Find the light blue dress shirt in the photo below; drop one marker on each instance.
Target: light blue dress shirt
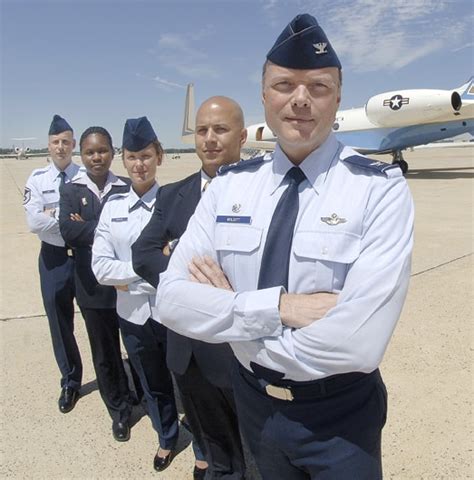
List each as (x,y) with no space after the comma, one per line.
(42,194)
(363,254)
(121,222)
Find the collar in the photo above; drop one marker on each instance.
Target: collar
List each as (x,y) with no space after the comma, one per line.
(112,180)
(315,166)
(148,199)
(205,178)
(71,170)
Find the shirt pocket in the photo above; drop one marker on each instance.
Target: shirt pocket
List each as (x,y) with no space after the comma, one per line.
(324,258)
(237,251)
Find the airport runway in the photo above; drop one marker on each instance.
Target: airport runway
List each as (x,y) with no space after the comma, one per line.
(427,369)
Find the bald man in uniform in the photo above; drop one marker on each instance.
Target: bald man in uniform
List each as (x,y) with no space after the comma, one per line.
(202,370)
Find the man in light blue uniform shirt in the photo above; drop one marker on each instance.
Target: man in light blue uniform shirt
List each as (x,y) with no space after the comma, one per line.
(301,260)
(56,265)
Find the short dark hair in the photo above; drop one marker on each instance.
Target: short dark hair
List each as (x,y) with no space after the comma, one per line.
(98,131)
(264,69)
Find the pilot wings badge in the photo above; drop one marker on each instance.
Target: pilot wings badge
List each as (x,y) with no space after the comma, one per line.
(334,219)
(320,48)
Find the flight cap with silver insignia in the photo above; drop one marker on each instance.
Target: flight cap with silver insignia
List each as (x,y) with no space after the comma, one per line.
(59,125)
(303,45)
(138,134)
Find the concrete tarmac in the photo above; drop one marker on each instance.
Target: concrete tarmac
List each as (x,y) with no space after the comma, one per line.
(427,368)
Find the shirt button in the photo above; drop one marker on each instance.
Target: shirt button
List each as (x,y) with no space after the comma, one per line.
(324,251)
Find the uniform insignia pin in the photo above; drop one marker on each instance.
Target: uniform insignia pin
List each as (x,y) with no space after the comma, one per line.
(84,201)
(236,207)
(334,219)
(320,48)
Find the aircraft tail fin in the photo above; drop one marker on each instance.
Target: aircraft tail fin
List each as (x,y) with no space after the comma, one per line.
(466,91)
(189,123)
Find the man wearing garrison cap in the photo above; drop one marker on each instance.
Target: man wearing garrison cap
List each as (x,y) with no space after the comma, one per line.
(300,260)
(56,264)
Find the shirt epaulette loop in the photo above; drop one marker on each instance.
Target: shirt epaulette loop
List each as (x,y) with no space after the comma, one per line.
(241,165)
(369,164)
(40,171)
(117,196)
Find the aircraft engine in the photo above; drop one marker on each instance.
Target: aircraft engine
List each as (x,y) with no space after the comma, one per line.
(17,149)
(405,107)
(27,149)
(260,133)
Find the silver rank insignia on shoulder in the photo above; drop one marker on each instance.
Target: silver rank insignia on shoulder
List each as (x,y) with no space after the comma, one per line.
(236,207)
(84,201)
(320,48)
(334,219)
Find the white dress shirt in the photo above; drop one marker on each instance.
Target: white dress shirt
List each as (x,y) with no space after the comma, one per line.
(123,218)
(364,254)
(42,195)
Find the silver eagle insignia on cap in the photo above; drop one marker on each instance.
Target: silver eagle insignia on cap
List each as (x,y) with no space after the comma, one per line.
(320,48)
(236,207)
(334,219)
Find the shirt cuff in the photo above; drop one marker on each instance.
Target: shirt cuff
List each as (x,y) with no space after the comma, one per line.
(259,313)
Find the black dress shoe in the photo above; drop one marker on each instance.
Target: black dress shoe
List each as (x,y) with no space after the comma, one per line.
(162,463)
(199,473)
(67,399)
(121,431)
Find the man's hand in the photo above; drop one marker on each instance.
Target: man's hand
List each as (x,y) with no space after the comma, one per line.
(166,250)
(206,270)
(301,310)
(122,288)
(75,217)
(50,212)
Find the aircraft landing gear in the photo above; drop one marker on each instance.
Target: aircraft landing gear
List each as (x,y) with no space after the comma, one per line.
(397,158)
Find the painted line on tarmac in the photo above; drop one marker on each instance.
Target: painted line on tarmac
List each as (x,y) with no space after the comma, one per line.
(441,265)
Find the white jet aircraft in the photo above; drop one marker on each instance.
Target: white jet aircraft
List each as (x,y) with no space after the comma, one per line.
(388,123)
(22,153)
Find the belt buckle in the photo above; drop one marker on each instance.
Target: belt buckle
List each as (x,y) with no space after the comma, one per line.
(281,393)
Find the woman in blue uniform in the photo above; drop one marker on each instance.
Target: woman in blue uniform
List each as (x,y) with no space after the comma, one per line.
(122,219)
(80,205)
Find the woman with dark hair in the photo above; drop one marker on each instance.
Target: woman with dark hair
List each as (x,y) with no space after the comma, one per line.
(81,202)
(122,219)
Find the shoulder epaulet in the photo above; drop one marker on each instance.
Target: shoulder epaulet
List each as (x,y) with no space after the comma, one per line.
(369,164)
(241,165)
(117,196)
(40,171)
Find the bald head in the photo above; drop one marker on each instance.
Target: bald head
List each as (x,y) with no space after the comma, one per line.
(220,133)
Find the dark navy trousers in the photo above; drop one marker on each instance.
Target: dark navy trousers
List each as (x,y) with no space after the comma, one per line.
(334,435)
(146,348)
(56,271)
(102,326)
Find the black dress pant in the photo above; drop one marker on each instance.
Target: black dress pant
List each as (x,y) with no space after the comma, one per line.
(210,412)
(103,330)
(56,271)
(328,431)
(146,348)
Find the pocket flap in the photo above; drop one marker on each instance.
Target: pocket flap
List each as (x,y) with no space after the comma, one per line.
(237,238)
(339,247)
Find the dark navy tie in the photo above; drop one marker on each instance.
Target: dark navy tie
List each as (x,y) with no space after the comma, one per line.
(276,254)
(63,178)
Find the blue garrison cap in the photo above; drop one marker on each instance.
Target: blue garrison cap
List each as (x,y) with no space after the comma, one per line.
(138,134)
(59,125)
(303,45)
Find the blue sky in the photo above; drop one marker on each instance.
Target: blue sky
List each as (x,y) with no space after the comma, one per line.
(98,63)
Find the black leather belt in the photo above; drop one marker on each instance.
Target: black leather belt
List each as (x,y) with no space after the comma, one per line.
(47,247)
(290,390)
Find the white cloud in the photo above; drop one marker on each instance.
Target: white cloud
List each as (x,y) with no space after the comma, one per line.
(371,35)
(167,83)
(182,53)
